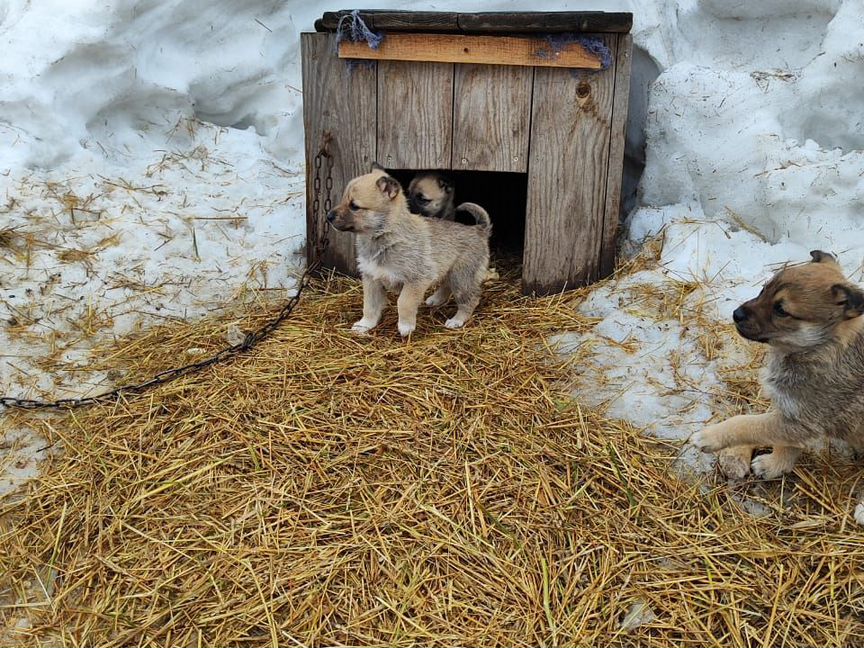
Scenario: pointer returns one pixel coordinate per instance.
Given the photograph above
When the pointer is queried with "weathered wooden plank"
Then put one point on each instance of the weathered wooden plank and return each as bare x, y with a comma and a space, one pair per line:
415, 115
492, 114
567, 175
545, 21
456, 48
339, 97
406, 21
499, 22
612, 216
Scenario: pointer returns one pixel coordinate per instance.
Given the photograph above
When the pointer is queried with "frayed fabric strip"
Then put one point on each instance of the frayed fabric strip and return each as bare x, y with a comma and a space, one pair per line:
592, 44
354, 29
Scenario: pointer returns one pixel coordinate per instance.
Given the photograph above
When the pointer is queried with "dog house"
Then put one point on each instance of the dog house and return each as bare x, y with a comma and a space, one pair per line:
536, 103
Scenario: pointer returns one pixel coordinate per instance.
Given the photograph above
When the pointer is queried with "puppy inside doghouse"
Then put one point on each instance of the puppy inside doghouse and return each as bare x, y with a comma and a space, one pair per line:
431, 194
409, 254
809, 315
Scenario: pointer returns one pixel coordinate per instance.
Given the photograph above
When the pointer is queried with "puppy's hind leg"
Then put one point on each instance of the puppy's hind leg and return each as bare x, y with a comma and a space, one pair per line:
734, 462
374, 302
466, 287
440, 296
408, 303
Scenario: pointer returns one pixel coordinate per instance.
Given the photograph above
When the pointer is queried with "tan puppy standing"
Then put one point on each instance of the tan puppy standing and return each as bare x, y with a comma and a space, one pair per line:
400, 251
810, 317
431, 194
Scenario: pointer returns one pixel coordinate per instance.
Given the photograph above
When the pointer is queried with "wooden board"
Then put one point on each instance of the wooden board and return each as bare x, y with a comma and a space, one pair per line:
545, 21
491, 113
612, 216
415, 115
339, 97
407, 21
500, 22
492, 50
567, 177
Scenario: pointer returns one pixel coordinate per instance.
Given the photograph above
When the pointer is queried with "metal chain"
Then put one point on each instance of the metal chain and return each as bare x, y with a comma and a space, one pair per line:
251, 338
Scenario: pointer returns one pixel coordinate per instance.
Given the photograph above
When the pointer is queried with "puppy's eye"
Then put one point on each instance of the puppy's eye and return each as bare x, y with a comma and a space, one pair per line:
779, 310
423, 201
354, 206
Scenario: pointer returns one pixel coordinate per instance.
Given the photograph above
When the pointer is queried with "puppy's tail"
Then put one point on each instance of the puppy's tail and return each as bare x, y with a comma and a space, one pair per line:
480, 215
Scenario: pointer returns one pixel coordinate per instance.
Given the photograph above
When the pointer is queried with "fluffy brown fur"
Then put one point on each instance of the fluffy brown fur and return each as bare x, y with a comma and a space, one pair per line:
432, 194
810, 317
400, 251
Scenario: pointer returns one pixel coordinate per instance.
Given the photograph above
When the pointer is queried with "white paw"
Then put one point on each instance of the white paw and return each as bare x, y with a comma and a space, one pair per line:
767, 466
859, 513
706, 440
362, 326
405, 329
454, 323
434, 300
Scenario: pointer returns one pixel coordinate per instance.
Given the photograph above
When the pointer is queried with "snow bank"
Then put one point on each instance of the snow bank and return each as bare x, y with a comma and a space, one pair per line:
151, 168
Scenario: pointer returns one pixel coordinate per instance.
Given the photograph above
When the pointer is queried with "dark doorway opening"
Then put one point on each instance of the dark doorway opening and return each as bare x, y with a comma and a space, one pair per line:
504, 196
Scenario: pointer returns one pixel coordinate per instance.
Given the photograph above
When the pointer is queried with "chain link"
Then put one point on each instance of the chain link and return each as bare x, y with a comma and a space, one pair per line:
251, 338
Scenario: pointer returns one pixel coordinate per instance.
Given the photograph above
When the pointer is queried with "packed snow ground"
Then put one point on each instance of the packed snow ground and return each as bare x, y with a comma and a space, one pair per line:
151, 168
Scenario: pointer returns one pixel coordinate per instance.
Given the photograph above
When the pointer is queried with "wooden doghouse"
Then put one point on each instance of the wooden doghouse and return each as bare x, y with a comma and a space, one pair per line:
543, 95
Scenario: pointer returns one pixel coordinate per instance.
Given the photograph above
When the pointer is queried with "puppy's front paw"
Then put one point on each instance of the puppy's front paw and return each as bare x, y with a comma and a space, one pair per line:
771, 466
859, 513
362, 326
454, 323
707, 440
406, 329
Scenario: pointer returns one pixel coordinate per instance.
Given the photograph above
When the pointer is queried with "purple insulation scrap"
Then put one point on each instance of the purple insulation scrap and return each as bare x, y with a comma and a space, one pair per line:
594, 45
353, 28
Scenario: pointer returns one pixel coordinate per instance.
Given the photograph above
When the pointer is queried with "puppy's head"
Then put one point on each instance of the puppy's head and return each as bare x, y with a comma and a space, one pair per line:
802, 306
366, 202
430, 194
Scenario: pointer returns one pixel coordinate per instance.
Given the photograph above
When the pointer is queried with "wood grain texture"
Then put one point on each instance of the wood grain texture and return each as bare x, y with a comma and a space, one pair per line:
498, 22
405, 21
567, 176
492, 114
491, 50
545, 21
415, 115
339, 98
611, 218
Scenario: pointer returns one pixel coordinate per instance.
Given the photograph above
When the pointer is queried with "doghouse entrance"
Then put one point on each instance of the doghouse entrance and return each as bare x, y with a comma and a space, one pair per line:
504, 196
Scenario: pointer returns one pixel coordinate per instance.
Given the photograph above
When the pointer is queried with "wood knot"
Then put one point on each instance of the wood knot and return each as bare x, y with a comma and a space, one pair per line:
583, 90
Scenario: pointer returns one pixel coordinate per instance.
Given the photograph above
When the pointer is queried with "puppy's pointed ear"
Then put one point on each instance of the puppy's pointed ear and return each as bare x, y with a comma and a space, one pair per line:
377, 167
819, 256
850, 297
390, 187
446, 184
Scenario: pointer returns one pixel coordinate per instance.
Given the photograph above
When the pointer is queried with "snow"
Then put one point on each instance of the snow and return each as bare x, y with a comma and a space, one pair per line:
151, 168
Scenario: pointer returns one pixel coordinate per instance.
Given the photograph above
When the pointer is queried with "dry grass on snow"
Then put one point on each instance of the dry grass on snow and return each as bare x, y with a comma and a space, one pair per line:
331, 489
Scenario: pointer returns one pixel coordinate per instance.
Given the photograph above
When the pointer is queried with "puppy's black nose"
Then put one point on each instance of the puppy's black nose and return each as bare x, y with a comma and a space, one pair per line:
331, 216
739, 314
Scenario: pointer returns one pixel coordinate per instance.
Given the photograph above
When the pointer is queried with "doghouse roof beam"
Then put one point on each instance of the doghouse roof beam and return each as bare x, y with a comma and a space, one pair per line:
492, 22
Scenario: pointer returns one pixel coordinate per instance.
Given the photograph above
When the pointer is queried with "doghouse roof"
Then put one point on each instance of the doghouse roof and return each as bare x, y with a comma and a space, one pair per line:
487, 22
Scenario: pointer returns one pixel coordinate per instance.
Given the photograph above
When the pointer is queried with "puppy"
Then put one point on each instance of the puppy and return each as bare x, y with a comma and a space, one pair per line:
400, 251
810, 317
431, 194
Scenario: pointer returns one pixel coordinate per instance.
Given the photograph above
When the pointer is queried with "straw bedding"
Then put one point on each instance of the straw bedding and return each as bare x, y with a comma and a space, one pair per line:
332, 489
